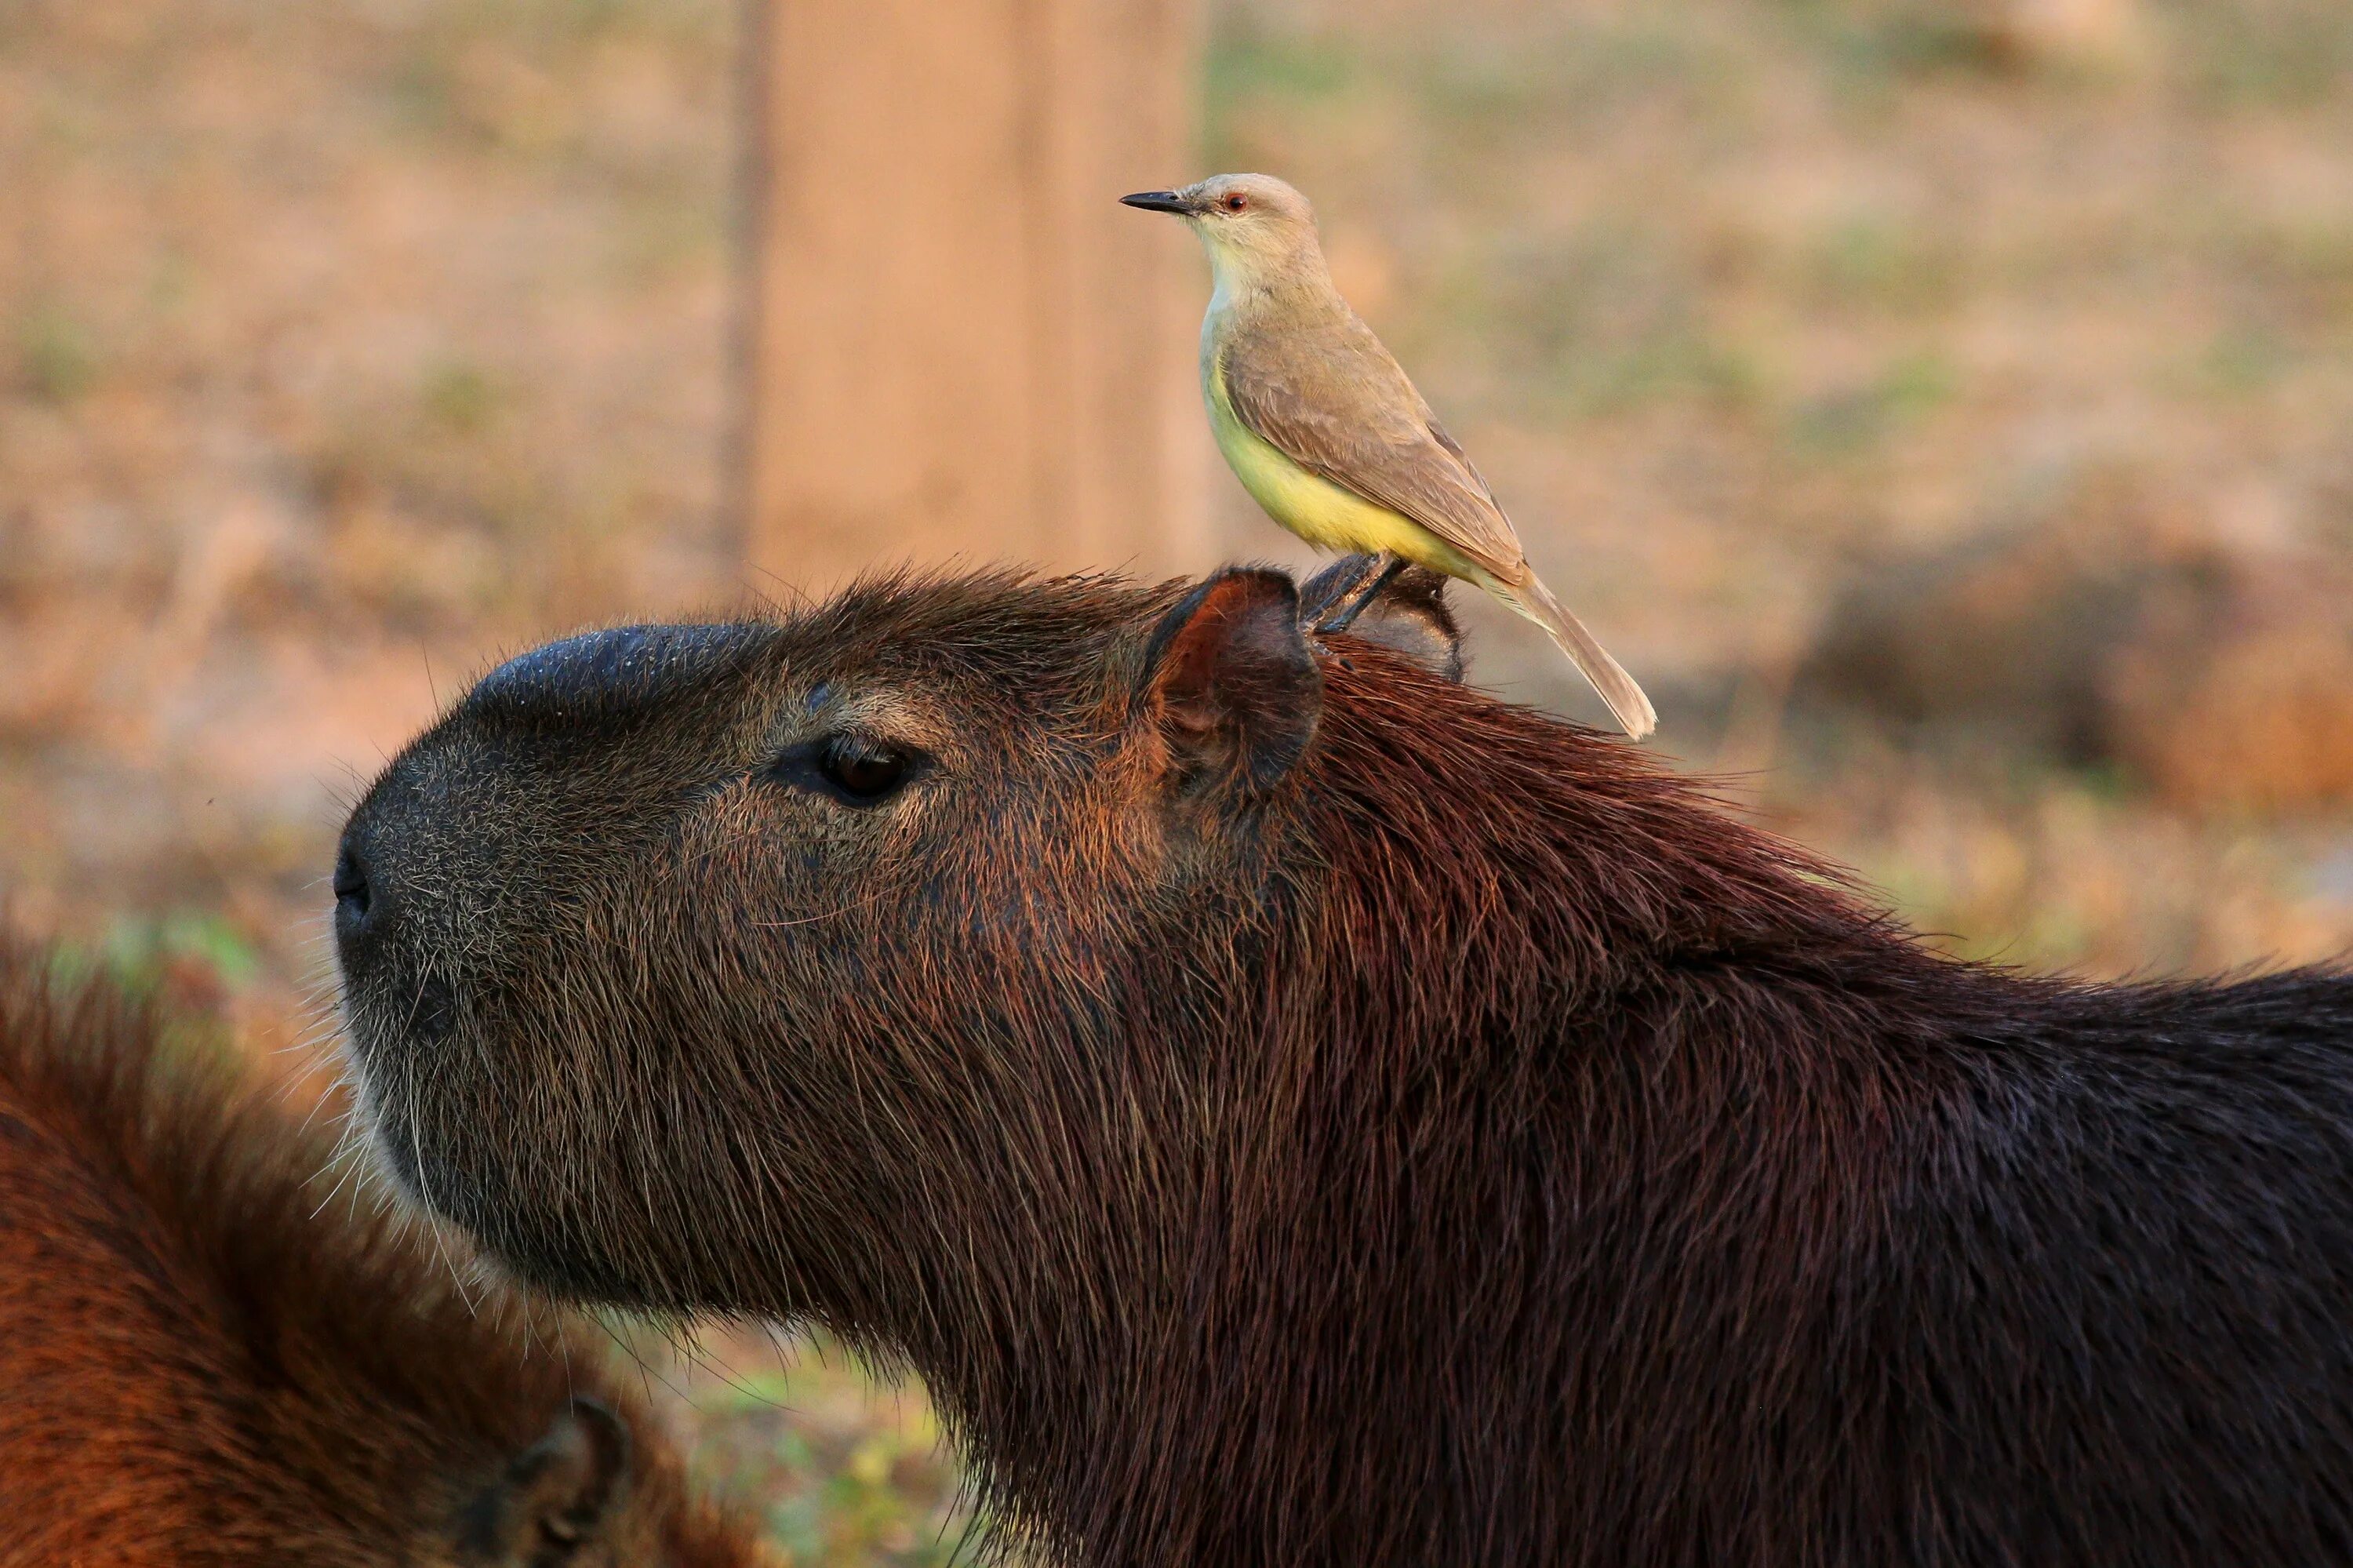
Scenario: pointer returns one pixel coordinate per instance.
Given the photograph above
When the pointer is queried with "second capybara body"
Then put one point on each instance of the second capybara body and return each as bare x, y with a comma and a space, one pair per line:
212, 1353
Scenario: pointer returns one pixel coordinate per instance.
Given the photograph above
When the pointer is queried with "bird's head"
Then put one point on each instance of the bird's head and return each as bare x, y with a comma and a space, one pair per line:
1255, 227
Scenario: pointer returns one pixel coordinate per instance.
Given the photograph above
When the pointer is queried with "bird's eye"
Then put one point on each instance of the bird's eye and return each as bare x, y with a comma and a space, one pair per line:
853, 768
1235, 202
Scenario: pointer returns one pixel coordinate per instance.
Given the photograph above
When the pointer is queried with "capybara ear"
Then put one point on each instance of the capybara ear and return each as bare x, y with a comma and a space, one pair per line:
1232, 682
548, 1505
1409, 616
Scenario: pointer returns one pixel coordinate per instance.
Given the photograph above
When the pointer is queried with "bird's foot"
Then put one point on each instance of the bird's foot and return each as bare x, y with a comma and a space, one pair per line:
1344, 594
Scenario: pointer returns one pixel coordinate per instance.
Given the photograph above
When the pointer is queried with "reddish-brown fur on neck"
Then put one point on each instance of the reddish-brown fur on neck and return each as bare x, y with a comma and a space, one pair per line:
204, 1360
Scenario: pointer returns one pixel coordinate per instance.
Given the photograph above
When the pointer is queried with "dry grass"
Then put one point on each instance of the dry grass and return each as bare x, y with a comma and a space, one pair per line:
342, 347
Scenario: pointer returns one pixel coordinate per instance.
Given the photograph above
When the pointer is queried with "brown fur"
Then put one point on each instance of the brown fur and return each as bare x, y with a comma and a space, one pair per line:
203, 1360
1295, 1109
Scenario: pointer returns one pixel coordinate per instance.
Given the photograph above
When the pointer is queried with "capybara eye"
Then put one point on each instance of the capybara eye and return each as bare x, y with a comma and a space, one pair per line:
860, 768
852, 769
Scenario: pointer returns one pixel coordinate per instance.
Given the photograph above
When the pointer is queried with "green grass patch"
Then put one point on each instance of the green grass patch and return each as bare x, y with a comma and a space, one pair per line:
57, 354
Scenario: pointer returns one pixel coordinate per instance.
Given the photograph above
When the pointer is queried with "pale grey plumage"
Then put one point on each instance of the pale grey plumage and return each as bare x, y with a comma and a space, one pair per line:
1300, 391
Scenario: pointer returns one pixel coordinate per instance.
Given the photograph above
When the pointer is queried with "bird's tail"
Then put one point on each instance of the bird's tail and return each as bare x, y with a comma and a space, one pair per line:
1633, 710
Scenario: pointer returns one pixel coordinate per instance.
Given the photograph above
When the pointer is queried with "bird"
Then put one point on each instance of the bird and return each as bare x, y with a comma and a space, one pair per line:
1323, 428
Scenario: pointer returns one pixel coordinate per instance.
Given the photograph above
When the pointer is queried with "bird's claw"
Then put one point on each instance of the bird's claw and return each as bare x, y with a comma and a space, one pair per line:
1338, 594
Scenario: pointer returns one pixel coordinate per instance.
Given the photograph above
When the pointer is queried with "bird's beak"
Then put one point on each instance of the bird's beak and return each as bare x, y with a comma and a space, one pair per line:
1160, 201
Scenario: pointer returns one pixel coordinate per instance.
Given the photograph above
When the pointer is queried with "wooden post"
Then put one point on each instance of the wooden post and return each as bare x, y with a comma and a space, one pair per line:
960, 345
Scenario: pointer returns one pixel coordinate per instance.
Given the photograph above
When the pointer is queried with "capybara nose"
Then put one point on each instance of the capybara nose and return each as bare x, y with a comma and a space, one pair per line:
626, 667
371, 904
360, 904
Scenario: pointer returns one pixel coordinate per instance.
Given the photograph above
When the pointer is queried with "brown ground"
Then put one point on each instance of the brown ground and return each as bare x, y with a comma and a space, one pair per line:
343, 348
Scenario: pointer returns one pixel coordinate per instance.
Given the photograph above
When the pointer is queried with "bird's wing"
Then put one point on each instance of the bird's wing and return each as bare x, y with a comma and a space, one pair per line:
1334, 401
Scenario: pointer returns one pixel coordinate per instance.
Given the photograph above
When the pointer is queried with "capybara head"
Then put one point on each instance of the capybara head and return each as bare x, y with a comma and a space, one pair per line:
879, 871
875, 966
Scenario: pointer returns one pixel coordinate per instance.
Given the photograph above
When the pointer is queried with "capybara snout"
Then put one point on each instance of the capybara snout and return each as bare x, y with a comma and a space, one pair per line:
467, 838
532, 759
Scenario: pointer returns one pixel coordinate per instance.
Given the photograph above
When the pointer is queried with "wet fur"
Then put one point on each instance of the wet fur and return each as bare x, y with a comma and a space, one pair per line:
1470, 1144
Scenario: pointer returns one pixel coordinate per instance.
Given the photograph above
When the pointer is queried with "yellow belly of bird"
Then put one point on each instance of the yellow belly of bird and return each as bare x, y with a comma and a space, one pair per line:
1326, 515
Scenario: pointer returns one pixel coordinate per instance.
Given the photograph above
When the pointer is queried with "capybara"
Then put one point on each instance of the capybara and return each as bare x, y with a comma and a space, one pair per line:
1293, 1108
207, 1357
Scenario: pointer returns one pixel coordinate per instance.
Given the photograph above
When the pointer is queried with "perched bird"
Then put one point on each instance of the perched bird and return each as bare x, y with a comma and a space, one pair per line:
1324, 430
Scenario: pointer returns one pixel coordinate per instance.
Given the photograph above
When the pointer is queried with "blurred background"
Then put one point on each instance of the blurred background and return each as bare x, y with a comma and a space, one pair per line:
1944, 406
